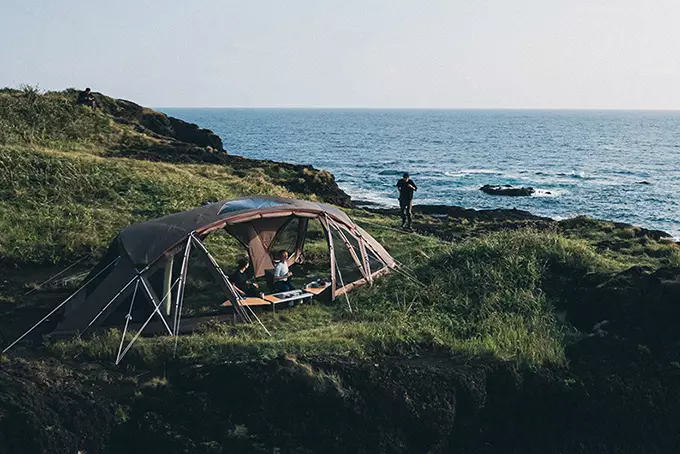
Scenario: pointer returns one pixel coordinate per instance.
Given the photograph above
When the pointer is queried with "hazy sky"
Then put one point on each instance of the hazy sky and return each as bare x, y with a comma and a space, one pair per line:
351, 53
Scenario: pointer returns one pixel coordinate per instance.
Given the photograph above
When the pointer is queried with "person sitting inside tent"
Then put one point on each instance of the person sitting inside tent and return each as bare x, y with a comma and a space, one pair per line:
282, 274
241, 282
86, 98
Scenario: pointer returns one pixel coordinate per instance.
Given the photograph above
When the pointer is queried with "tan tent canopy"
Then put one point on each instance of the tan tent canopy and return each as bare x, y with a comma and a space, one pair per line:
142, 249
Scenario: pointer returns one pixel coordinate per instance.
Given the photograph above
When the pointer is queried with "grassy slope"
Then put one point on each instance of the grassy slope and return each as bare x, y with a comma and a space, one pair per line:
70, 178
62, 199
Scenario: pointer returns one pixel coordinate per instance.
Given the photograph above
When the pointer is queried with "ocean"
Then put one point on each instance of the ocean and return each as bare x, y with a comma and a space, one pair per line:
616, 165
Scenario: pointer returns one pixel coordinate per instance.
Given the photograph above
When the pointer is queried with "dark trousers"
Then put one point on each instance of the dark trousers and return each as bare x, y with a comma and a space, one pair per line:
252, 291
405, 207
283, 286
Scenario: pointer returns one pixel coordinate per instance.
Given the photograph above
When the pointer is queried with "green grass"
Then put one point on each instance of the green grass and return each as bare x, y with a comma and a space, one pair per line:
66, 190
480, 297
57, 206
51, 119
624, 243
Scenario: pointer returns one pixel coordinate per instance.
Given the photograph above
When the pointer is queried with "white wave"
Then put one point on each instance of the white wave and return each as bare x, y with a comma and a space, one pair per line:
361, 194
549, 192
466, 172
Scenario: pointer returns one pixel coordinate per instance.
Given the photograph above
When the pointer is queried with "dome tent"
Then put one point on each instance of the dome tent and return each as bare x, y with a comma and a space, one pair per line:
143, 249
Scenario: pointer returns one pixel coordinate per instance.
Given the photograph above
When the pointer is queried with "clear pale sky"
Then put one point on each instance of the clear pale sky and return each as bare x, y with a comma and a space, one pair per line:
351, 53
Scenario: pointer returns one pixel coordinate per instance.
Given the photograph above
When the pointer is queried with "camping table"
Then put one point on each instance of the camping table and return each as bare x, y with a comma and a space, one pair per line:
277, 298
272, 300
250, 301
316, 290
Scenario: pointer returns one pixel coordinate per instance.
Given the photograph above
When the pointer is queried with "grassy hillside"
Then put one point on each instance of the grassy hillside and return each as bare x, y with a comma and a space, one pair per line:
505, 305
66, 190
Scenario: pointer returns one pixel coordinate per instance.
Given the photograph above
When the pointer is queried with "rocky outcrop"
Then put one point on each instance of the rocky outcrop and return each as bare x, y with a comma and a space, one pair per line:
295, 178
183, 142
128, 112
486, 215
507, 190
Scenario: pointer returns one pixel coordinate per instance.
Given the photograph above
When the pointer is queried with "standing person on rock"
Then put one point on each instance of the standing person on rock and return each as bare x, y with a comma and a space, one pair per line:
406, 188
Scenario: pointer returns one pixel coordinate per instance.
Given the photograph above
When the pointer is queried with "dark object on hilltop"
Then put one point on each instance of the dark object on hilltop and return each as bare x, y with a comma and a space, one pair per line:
508, 190
406, 188
642, 182
86, 98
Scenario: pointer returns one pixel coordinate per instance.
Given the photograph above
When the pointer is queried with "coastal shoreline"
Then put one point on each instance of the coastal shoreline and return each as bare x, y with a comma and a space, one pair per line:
498, 214
593, 170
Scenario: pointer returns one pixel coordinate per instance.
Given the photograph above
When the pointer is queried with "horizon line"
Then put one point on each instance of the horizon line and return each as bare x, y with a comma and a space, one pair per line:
584, 109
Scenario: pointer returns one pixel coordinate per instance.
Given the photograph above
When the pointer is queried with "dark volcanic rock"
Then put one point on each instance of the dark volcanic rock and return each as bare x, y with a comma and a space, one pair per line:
297, 178
365, 204
638, 303
192, 133
487, 215
157, 122
470, 214
586, 223
507, 190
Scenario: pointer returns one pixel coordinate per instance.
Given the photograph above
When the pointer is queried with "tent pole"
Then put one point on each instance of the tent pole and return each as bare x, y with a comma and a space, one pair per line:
351, 250
179, 299
139, 332
60, 305
226, 285
128, 317
364, 258
155, 303
167, 280
258, 320
109, 303
139, 276
331, 253
343, 286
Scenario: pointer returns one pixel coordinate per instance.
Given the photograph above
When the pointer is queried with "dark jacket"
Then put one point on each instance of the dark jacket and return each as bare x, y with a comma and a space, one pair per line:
406, 189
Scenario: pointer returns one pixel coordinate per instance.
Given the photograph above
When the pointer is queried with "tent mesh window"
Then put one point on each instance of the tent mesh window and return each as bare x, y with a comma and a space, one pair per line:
316, 252
233, 206
202, 292
343, 256
286, 238
373, 261
226, 249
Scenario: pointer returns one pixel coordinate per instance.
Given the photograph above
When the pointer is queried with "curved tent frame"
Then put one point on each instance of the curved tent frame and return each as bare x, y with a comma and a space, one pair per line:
142, 249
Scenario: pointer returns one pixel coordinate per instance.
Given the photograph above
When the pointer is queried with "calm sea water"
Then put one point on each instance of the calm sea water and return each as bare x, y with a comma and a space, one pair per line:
591, 162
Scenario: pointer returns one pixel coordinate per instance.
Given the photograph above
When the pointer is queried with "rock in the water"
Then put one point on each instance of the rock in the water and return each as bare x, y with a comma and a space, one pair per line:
642, 182
507, 190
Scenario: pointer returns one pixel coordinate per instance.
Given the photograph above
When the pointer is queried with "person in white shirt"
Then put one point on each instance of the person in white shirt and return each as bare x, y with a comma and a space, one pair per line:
282, 274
